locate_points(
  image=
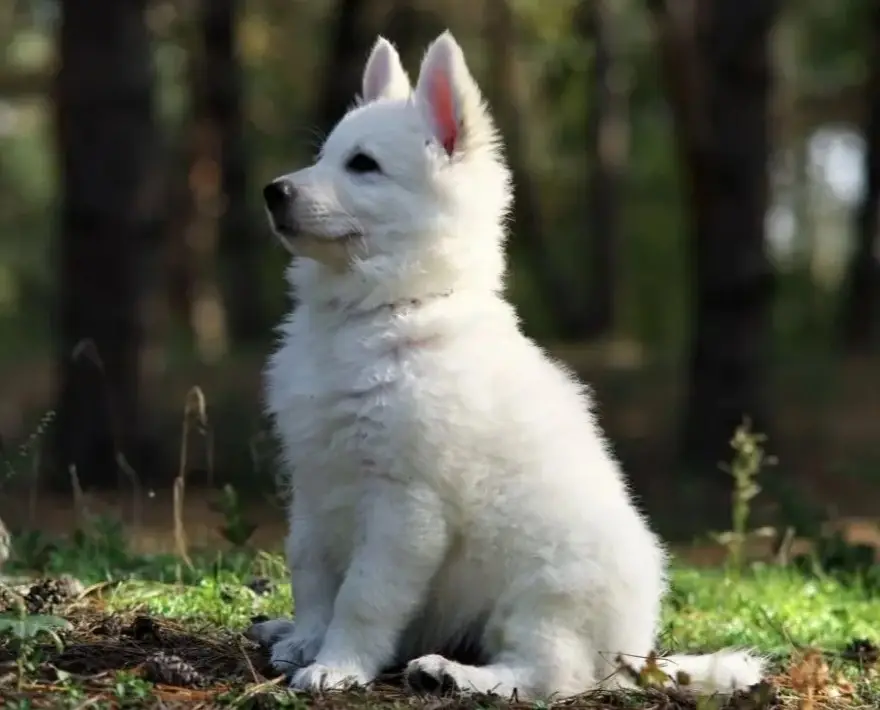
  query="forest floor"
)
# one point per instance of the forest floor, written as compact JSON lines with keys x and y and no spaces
{"x":148,"y":628}
{"x":158,"y":632}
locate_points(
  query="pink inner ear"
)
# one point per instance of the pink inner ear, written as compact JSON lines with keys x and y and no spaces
{"x":444,"y":111}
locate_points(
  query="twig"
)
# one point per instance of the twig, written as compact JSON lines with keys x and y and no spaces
{"x":194,"y":405}
{"x":79,"y":505}
{"x":136,"y":497}
{"x":34,"y":492}
{"x":250,"y":665}
{"x":783,"y":554}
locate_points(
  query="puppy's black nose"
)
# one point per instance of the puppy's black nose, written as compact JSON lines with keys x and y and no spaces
{"x":278,"y":195}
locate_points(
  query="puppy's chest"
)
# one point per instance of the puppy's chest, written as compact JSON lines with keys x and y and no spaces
{"x":345,"y":415}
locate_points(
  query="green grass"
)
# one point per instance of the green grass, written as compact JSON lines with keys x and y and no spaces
{"x":201,"y":612}
{"x":768,"y":608}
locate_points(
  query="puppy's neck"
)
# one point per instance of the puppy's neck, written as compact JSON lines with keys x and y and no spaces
{"x":392,"y":285}
{"x":391,"y":309}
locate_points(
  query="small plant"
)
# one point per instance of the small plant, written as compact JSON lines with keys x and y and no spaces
{"x":23,"y":631}
{"x":748,"y":459}
{"x":97,"y":549}
{"x":70,"y":689}
{"x":131,"y":690}
{"x":9,"y":469}
{"x":98,"y":544}
{"x":236,"y":529}
{"x":33,"y":550}
{"x":103,"y":538}
{"x":25,"y":627}
{"x":648,"y":675}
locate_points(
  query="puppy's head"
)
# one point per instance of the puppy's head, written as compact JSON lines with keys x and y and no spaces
{"x":406,"y":173}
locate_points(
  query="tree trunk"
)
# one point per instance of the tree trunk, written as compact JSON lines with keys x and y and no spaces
{"x":105,"y":139}
{"x":349,"y":48}
{"x":527,"y":226}
{"x":608,"y":139}
{"x":719,"y":80}
{"x":861,"y":303}
{"x":240,"y":245}
{"x":409,"y":29}
{"x":214,"y":146}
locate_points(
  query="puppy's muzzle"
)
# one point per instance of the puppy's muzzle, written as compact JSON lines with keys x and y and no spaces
{"x":280,"y":196}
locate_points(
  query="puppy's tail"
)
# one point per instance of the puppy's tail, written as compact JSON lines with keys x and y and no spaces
{"x":723,"y":672}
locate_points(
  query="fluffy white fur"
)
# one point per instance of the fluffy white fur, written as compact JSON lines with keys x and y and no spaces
{"x":451,"y":487}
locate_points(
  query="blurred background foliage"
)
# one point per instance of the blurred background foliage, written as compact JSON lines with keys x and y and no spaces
{"x":604,"y":267}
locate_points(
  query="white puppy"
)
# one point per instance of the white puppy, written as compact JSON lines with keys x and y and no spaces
{"x":453,"y":496}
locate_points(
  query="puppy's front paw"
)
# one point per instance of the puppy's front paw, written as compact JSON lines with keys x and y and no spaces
{"x":293,"y":646}
{"x":317,"y":677}
{"x":268,"y":633}
{"x":295,"y":651}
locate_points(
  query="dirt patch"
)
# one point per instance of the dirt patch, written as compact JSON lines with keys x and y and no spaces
{"x":204,"y":667}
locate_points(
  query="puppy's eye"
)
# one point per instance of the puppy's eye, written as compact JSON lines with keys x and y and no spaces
{"x":362,"y":163}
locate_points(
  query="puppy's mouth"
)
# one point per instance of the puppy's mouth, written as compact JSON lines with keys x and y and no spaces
{"x":280,"y":197}
{"x":285,"y":232}
{"x":294,"y":238}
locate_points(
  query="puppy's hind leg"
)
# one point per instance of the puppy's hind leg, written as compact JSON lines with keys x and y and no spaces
{"x":540,"y":659}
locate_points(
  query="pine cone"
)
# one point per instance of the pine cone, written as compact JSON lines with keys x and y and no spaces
{"x":168,"y":669}
{"x":108,"y":626}
{"x":47,"y":596}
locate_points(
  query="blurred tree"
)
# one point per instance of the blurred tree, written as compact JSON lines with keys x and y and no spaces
{"x":504,"y":88}
{"x":215,"y":217}
{"x":105,"y":140}
{"x":349,"y":45}
{"x":860,"y":318}
{"x":608,"y":131}
{"x":240,"y":244}
{"x":410,"y":27}
{"x":715,"y":57}
{"x":212,"y":234}
{"x":354,"y":30}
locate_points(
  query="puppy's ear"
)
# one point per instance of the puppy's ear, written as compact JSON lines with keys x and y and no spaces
{"x":451,"y":99}
{"x":384,"y":77}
